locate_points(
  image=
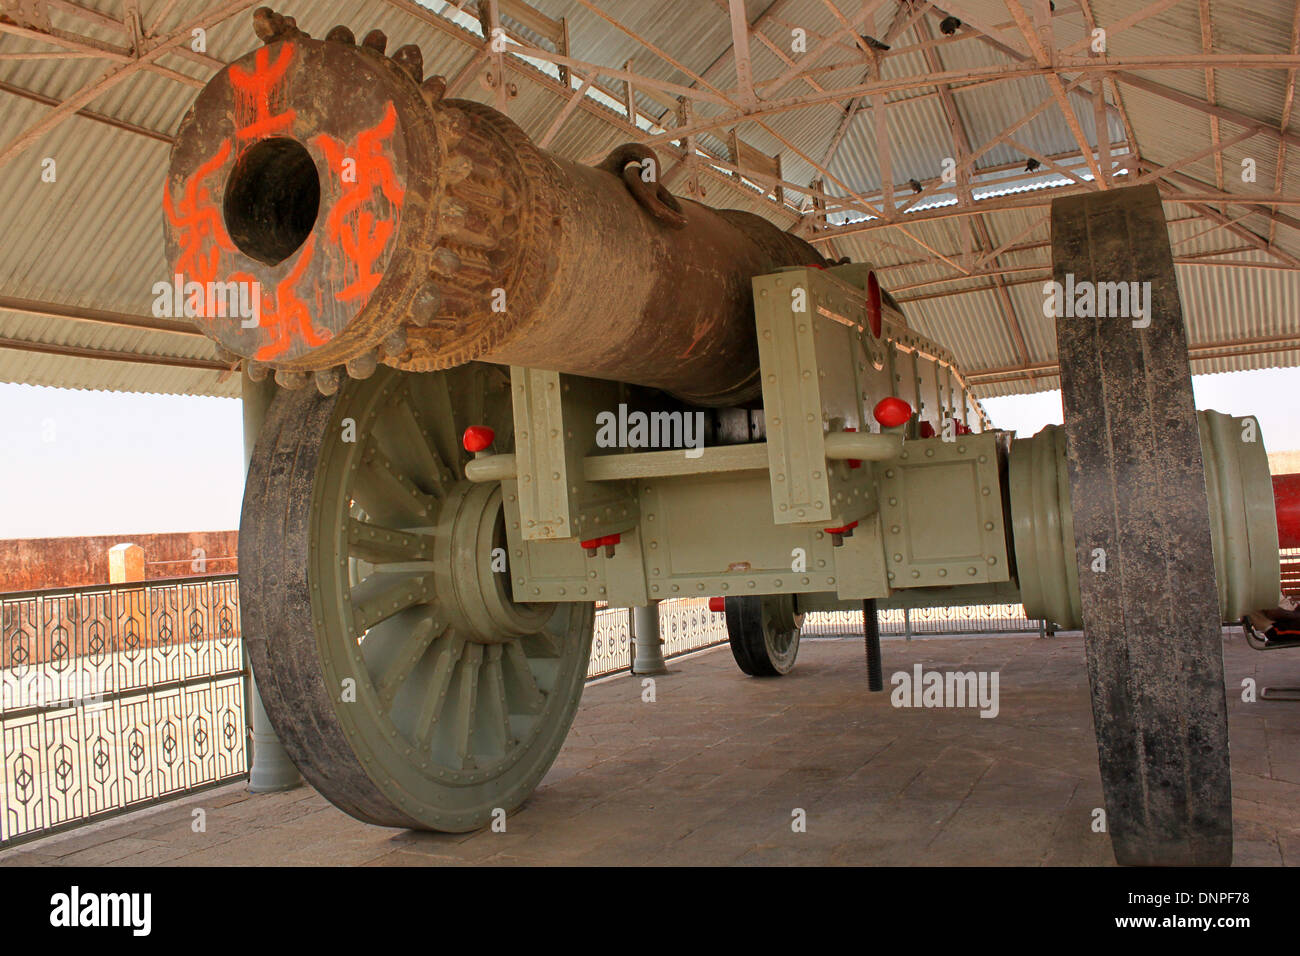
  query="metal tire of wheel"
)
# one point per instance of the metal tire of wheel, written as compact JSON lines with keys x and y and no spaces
{"x":764,"y":633}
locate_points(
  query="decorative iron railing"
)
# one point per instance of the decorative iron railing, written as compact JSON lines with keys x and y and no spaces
{"x":1291,"y":572}
{"x":117,"y":696}
{"x":927,"y":621}
{"x":685,"y":625}
{"x":611,"y":644}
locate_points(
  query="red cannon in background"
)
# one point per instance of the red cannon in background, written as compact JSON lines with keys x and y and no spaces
{"x":1286,"y":497}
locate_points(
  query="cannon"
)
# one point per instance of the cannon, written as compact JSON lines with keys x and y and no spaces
{"x":511,"y":387}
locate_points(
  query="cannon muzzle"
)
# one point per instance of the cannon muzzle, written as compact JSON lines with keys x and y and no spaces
{"x":327,"y":208}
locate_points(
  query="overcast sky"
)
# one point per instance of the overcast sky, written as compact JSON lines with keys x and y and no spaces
{"x":79,"y":462}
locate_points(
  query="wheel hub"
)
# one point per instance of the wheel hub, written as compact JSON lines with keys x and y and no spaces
{"x":473,"y":575}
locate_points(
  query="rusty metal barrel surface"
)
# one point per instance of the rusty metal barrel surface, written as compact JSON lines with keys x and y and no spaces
{"x":382,"y":222}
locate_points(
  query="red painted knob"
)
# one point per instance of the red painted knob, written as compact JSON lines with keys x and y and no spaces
{"x":477,"y":438}
{"x":892,"y":412}
{"x":717,"y":605}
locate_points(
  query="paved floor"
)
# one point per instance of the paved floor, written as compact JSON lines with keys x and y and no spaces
{"x":714,"y":770}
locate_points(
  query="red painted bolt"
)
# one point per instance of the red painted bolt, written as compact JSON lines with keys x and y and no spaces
{"x":892,"y":412}
{"x":717,"y":605}
{"x":839,"y":534}
{"x":477,"y":438}
{"x":846,"y":530}
{"x":607,"y":541}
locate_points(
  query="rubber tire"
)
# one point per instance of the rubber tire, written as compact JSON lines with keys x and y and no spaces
{"x":751,"y":643}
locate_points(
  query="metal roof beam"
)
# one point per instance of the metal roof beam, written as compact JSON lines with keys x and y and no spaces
{"x":481,"y":48}
{"x":1119,"y":26}
{"x":1038,"y":199}
{"x":740,"y":52}
{"x":104,"y":118}
{"x":113,"y":77}
{"x":1287,"y":105}
{"x":1044,"y":55}
{"x":1210,"y":350}
{"x":999,"y":72}
{"x":1232,"y":116}
{"x":850,"y":28}
{"x":1207,"y":46}
{"x":663,"y":55}
{"x":54,"y":310}
{"x":112,"y":355}
{"x":1264,"y":205}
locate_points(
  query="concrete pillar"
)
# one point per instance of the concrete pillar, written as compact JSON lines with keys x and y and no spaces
{"x":271,"y":769}
{"x":649,"y":647}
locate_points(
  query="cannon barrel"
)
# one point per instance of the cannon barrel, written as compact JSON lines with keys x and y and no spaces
{"x":382,"y":222}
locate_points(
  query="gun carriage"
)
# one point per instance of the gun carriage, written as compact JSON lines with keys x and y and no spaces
{"x":452,"y":313}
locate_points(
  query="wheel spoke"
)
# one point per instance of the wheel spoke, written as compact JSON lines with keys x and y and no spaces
{"x":543,"y":644}
{"x":412,"y":450}
{"x":433,"y":394}
{"x":492,"y":699}
{"x":396,"y":670}
{"x":524,"y":692}
{"x":379,"y":545}
{"x":382,"y":595}
{"x":466,"y":691}
{"x":388,"y":496}
{"x":388,"y":640}
{"x":426,"y":723}
{"x":469,"y":396}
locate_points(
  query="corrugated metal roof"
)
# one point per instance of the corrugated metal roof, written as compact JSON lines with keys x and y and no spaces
{"x":92,"y":240}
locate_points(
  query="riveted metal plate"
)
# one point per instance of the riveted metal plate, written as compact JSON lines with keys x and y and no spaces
{"x":941,"y":513}
{"x":818,"y":376}
{"x":561,"y":570}
{"x":860,"y":562}
{"x":555,"y":428}
{"x":694,"y":547}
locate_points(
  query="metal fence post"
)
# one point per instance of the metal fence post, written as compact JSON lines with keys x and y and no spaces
{"x":907,"y":623}
{"x":270,"y":769}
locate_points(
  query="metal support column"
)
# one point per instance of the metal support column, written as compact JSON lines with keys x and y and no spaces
{"x":649,"y":657}
{"x":271,"y":769}
{"x":871,"y":635}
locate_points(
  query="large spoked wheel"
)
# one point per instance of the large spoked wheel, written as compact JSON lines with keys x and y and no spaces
{"x":403,"y":680}
{"x":763,"y":633}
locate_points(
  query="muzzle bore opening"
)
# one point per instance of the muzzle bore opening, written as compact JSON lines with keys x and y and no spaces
{"x":272,"y":199}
